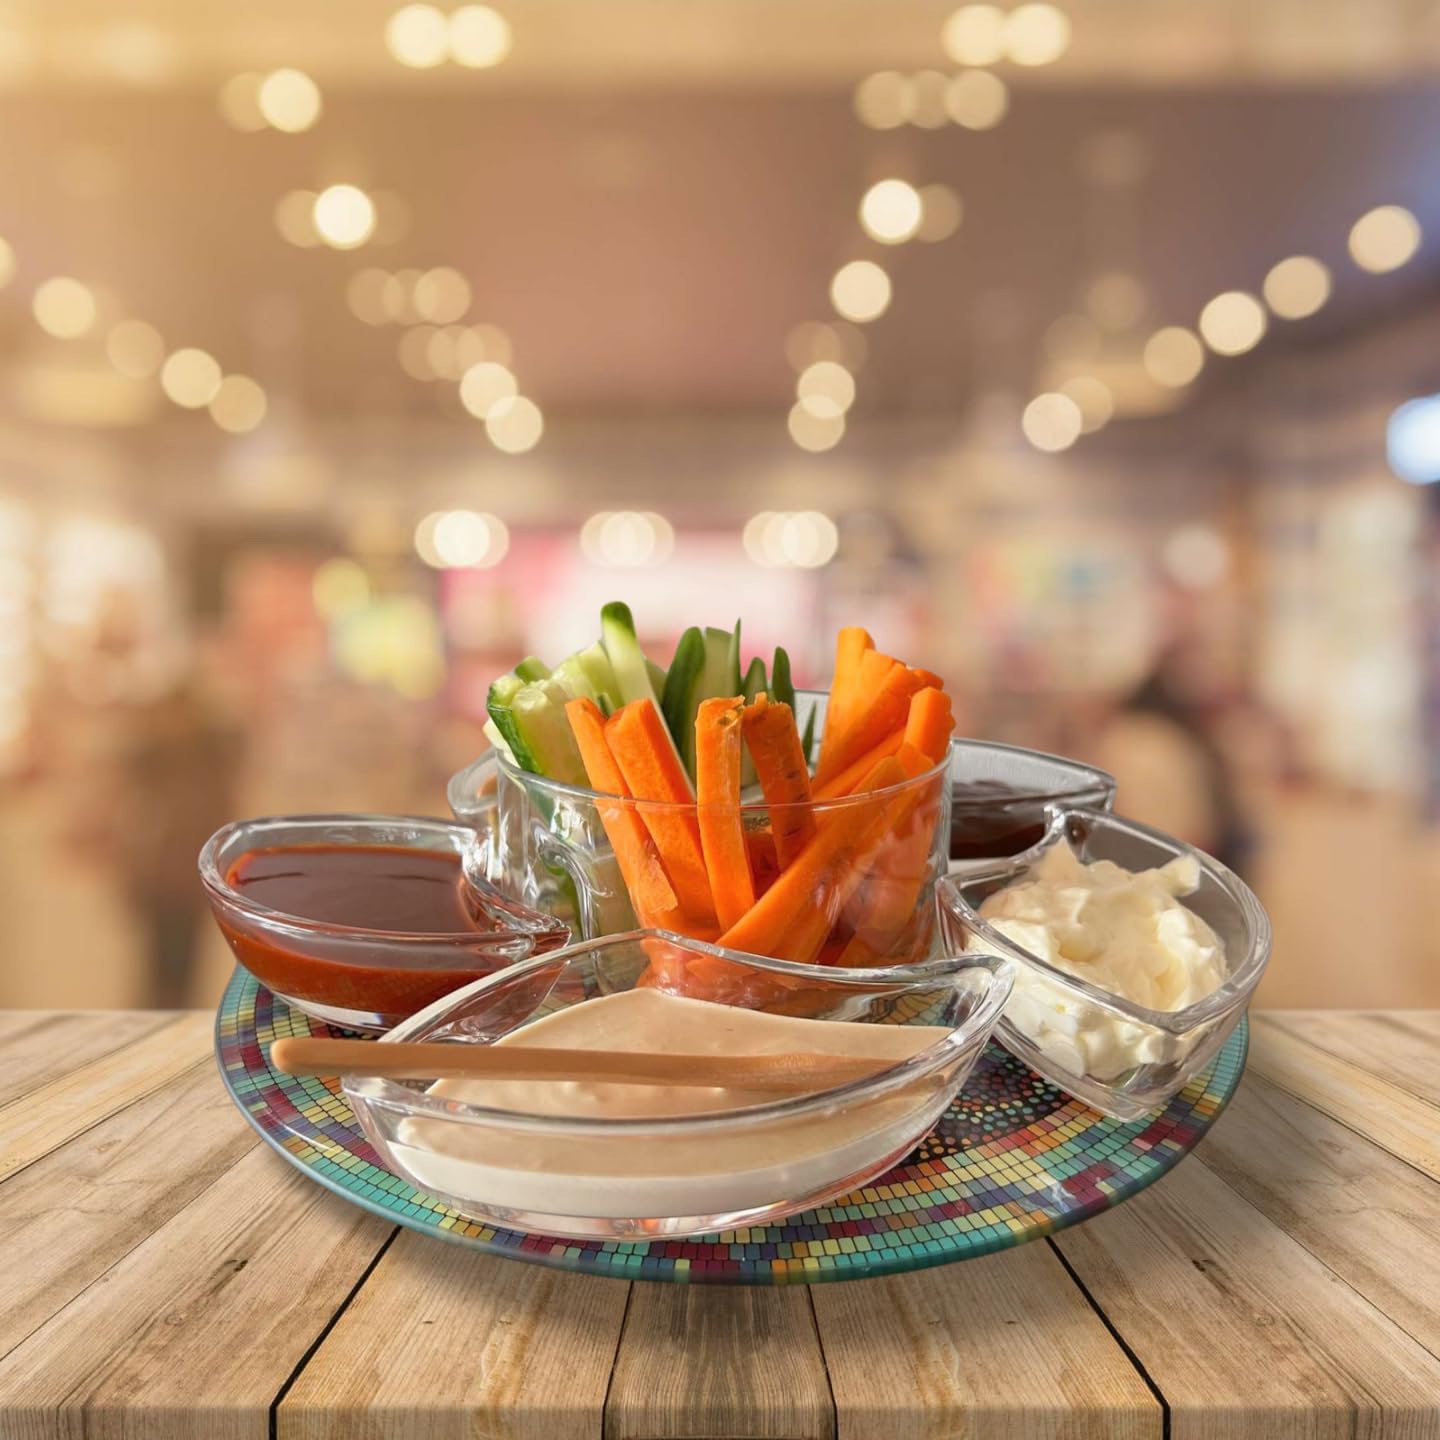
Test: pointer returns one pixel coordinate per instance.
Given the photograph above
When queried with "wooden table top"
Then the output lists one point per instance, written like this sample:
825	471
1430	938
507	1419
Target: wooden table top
163	1274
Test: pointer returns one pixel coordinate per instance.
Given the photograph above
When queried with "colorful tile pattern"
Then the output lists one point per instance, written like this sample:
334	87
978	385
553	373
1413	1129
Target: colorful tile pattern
1013	1158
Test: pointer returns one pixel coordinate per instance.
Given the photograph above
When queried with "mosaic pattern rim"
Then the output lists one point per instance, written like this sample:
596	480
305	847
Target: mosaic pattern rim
981	1182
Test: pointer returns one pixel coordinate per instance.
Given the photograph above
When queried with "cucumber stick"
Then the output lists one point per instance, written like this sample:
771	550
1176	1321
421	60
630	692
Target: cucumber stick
532	667
782	687
754	681
499	703
538	712
706	665
627	659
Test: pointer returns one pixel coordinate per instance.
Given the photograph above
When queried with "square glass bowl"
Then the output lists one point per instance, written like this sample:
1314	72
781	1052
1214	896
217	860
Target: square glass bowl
649	1177
1119	1057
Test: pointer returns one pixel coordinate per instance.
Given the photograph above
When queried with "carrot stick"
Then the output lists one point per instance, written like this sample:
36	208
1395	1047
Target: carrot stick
717	795
850	648
774	745
928	677
791	920
643	750
930	723
850	778
885	710
651	894
764	862
886	912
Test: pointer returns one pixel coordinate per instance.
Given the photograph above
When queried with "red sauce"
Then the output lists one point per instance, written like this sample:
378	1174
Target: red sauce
372	887
390	899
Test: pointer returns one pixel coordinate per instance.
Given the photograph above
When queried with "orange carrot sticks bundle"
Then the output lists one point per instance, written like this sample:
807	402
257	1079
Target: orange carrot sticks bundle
930	723
764	861
885	711
717	795
791	920
849	779
774	745
642	748
651	894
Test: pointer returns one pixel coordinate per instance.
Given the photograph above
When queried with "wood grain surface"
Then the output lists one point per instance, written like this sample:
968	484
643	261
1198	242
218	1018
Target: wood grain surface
163	1275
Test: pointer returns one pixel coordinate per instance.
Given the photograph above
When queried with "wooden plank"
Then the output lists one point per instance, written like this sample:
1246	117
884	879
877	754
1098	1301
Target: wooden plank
46	1118
70	1216
1402	1123
707	1361
55	1042
447	1344
1374	1220
1242	1330
195	1332
994	1348
1399	1046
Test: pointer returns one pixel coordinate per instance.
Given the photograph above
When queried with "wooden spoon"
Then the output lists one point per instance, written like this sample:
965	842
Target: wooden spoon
403	1060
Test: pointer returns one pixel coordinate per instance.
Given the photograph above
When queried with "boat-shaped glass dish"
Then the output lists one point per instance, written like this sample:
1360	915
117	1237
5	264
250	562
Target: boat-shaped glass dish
657	1176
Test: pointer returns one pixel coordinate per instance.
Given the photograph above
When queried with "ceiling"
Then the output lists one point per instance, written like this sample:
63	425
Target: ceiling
648	204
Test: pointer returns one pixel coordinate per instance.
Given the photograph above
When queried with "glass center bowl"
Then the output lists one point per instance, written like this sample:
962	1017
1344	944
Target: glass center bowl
863	895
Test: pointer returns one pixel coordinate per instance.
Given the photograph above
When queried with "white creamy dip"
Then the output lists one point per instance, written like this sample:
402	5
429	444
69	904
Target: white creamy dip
691	1171
1124	932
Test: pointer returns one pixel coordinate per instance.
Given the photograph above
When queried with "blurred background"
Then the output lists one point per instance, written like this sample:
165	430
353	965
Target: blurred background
1086	354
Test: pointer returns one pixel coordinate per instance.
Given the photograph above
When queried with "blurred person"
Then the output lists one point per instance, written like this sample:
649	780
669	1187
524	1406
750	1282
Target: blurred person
1160	742
172	787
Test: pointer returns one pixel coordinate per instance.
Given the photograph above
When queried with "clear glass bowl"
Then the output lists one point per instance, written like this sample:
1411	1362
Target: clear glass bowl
1001	796
1119	1057
654	1177
471	792
359	978
548	844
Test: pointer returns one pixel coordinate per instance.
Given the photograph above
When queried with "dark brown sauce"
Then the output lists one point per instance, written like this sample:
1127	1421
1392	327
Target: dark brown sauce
988	818
387	888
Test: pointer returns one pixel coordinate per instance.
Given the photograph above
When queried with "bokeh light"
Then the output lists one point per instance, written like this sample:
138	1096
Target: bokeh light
418	36
135	349
1116	300
1173	356
1412	441
367	293
484	386
1233	322
344	216
800	539
288	100
891	211
1094	398
7	263
826	389
479	36
1297	287
813	432
339	586
927	99
883	100
1384	239
441	295
977	99
941	211
974	35
627	538
239	102
860	291
295	218
239	405
1052	422
461	540
1036	34
514	424
64	308
191	377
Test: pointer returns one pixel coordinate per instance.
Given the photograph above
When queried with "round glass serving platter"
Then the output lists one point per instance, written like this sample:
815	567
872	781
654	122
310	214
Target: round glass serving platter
1013	1158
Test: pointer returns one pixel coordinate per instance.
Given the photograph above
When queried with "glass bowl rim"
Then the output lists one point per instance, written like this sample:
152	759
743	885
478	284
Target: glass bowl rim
1233	990
1101	779
1001	970
299	926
